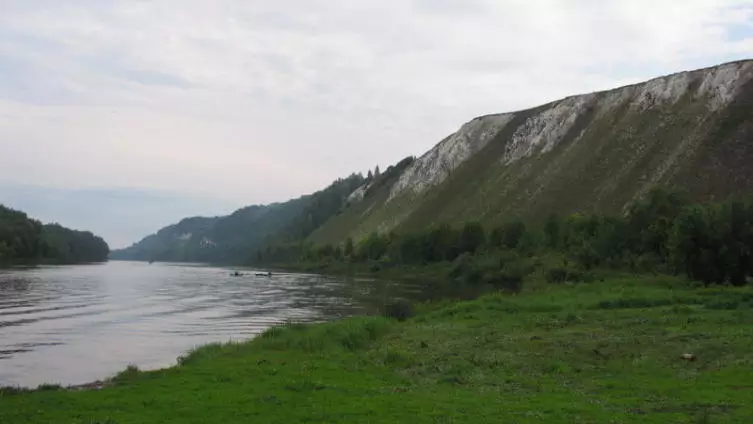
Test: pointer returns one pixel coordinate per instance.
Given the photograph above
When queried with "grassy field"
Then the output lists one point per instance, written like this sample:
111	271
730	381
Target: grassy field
604	352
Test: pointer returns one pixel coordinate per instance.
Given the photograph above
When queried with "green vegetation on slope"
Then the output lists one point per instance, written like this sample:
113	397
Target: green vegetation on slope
587	353
25	240
618	147
234	238
664	232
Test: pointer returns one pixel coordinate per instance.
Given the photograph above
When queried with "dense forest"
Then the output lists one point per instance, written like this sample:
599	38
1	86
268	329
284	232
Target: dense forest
662	232
233	238
25	240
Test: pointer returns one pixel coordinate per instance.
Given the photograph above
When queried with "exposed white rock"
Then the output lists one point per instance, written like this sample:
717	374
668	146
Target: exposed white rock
436	165
357	194
661	91
722	83
717	86
544	131
207	243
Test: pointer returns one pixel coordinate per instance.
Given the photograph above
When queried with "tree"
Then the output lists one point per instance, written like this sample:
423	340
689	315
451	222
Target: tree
512	232
472	237
377	173
372	247
495	238
348	250
650	220
552	230
439	244
26	240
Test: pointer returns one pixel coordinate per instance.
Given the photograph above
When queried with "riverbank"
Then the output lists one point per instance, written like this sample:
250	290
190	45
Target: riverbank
602	352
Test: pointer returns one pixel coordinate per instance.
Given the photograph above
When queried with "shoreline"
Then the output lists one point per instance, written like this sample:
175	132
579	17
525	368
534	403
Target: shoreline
501	357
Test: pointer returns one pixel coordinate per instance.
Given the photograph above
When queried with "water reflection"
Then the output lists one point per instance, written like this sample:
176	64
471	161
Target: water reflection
76	324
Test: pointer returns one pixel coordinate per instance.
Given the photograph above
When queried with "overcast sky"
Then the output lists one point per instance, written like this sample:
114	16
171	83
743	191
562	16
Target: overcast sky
124	116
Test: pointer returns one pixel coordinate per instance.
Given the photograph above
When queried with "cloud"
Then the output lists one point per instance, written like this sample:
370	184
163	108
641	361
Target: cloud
262	101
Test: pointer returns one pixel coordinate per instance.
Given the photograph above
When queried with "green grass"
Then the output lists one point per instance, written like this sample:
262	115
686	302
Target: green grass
605	352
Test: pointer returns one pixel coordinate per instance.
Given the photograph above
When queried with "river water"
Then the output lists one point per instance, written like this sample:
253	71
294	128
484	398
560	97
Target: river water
76	324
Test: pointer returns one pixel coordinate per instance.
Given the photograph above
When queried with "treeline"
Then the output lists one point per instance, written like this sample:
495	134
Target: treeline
25	240
321	206
663	232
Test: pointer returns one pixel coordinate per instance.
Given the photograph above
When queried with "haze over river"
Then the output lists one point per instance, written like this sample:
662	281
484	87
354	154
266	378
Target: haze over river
76	324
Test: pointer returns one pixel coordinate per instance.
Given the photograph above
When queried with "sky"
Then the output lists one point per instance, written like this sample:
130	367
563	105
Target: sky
121	117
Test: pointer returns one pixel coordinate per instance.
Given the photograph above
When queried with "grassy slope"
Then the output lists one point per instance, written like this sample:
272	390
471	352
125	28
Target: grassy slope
597	353
603	164
618	157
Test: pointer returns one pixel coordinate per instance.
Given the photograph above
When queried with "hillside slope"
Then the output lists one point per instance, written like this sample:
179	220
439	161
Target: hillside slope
24	240
219	239
592	152
235	238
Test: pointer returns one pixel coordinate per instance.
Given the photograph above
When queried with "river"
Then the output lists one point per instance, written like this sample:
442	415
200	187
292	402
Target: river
76	324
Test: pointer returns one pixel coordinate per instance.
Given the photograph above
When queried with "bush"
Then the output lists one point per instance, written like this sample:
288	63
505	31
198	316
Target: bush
559	275
129	373
556	275
512	233
471	269
49	387
400	310
647	263
510	277
507	281
461	265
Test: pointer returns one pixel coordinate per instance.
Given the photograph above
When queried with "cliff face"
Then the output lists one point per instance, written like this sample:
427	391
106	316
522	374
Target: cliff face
593	152
436	165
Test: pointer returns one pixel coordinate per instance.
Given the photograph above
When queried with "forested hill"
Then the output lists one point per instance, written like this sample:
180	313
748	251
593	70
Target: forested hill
595	153
234	238
26	241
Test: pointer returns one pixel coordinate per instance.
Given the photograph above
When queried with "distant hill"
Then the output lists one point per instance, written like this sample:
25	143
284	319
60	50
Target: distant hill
26	241
234	238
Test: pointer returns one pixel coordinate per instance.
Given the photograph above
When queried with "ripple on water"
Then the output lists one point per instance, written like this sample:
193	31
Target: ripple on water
75	324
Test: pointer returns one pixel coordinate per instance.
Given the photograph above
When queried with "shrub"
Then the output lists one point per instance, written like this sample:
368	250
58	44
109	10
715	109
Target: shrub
461	265
472	269
400	310
556	275
512	233
130	372
471	238
511	276
49	387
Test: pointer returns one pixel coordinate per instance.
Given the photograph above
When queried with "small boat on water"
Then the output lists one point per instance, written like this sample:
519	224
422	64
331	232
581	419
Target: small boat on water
258	274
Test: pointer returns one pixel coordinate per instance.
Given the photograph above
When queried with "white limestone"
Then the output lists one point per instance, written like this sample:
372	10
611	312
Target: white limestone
544	131
722	83
358	194
541	133
436	165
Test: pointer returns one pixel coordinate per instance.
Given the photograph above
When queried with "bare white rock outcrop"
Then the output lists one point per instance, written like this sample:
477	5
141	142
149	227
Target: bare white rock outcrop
542	132
436	165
